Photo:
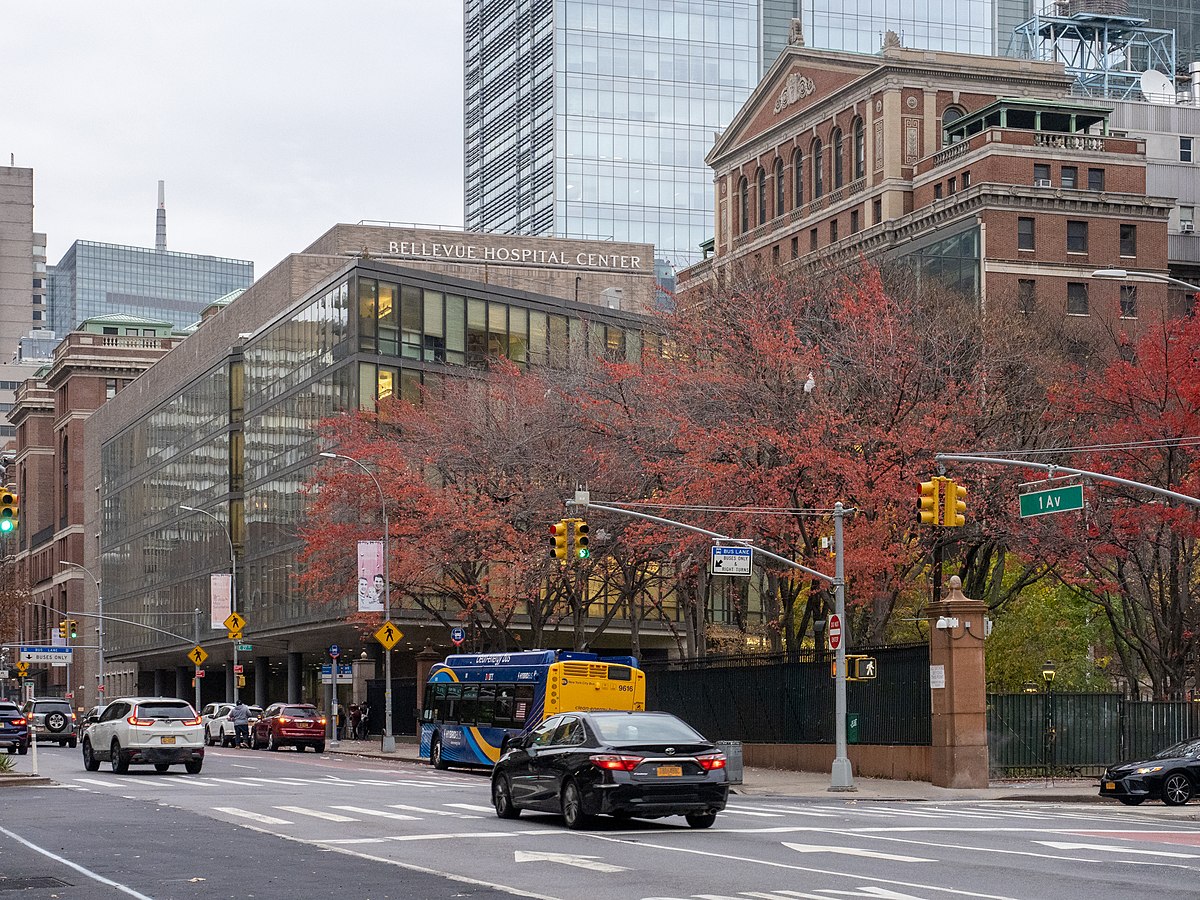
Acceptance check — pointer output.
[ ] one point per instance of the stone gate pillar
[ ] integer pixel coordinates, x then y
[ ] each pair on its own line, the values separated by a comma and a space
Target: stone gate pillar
426, 660
958, 686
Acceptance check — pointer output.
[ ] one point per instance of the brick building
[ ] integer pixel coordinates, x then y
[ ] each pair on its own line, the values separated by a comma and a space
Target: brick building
927, 157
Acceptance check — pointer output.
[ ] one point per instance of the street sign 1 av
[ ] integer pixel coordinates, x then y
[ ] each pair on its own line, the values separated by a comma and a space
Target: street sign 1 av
834, 631
198, 655
245, 648
234, 622
389, 635
730, 561
1059, 499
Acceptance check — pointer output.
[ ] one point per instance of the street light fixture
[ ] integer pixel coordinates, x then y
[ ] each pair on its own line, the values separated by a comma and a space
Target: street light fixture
232, 586
388, 743
1121, 274
100, 691
1048, 670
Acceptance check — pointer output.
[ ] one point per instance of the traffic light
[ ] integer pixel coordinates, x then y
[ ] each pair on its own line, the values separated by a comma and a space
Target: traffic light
927, 505
62, 628
861, 668
74, 629
581, 539
558, 537
10, 511
954, 511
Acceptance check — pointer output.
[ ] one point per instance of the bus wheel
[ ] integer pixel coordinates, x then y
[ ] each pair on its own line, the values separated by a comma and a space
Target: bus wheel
435, 754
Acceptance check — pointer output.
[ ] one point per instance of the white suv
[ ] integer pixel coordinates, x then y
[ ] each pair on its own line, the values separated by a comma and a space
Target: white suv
145, 730
220, 730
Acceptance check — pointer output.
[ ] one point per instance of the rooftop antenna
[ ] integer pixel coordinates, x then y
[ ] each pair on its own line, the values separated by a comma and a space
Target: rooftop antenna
160, 236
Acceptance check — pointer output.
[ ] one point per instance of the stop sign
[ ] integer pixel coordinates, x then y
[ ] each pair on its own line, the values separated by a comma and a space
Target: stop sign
835, 631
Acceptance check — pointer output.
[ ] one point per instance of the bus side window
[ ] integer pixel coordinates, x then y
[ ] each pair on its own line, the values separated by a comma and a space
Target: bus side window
486, 711
504, 705
450, 705
468, 712
524, 702
429, 713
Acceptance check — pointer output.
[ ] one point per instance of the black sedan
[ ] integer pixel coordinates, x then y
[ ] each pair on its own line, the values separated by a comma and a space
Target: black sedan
1170, 775
623, 764
14, 729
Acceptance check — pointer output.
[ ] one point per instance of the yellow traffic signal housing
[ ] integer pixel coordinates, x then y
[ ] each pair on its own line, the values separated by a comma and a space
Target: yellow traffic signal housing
581, 538
861, 668
954, 511
62, 628
10, 511
558, 538
927, 505
74, 626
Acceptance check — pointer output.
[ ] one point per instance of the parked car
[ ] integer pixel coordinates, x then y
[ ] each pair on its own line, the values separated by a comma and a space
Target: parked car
624, 764
14, 728
220, 730
91, 717
158, 731
210, 712
1170, 775
51, 719
298, 725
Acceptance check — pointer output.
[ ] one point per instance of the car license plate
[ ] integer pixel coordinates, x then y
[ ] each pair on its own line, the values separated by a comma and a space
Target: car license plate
670, 771
1110, 785
303, 724
167, 739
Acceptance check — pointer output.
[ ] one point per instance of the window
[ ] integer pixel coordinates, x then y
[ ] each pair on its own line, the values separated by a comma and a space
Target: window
1129, 301
966, 180
1041, 173
937, 191
110, 388
818, 155
1129, 240
797, 179
761, 181
1095, 179
1070, 176
780, 192
812, 239
1026, 296
877, 210
833, 230
1077, 237
860, 149
1187, 215
743, 206
1077, 298
795, 248
1185, 149
839, 171
854, 226
775, 255
1026, 234
953, 185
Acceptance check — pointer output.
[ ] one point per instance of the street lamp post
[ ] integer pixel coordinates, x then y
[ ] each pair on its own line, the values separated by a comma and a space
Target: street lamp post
388, 743
100, 691
232, 586
1048, 672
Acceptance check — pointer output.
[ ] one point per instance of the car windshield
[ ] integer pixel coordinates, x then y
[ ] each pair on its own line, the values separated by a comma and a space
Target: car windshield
626, 729
164, 711
299, 712
50, 705
1176, 751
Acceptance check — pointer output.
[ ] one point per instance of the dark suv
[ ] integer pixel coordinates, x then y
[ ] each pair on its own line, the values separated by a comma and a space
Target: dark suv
51, 719
14, 730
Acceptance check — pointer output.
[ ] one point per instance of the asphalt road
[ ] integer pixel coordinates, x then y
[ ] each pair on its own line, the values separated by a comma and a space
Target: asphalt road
267, 825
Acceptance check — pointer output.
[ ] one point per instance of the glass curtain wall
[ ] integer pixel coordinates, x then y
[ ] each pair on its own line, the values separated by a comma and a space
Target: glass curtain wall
859, 26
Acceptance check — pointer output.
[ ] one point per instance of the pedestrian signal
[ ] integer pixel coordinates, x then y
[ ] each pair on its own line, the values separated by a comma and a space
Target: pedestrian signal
861, 668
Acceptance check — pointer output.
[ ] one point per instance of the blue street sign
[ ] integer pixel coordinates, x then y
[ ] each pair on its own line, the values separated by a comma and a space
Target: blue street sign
457, 635
334, 651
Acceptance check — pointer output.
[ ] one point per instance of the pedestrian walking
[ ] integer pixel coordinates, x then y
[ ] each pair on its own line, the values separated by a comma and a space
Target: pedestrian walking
341, 722
240, 717
355, 721
364, 716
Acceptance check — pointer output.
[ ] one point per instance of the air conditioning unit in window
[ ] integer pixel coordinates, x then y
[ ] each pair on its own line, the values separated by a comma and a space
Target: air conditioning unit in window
1187, 227
1043, 182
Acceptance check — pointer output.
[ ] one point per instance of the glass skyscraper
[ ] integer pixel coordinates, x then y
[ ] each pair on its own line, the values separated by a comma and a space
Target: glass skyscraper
591, 118
859, 26
94, 279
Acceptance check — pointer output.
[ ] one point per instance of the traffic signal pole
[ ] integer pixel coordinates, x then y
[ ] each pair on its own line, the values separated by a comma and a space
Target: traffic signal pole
842, 773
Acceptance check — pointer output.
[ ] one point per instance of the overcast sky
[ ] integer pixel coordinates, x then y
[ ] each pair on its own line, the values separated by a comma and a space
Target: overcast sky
269, 120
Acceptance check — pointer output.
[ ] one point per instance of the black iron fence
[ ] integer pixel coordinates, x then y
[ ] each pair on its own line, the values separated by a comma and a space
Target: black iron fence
764, 699
1080, 734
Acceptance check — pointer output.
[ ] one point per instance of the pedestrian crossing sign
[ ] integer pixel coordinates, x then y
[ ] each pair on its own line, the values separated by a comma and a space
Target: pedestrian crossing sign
389, 635
197, 655
234, 622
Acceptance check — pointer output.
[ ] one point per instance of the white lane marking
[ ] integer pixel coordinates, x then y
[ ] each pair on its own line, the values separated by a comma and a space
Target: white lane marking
345, 842
442, 837
742, 811
471, 806
124, 889
252, 816
1063, 845
853, 851
802, 811
378, 812
108, 784
567, 859
432, 812
240, 766
234, 781
316, 814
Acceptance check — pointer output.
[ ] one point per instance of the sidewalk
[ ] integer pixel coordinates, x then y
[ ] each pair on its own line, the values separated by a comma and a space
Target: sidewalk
815, 785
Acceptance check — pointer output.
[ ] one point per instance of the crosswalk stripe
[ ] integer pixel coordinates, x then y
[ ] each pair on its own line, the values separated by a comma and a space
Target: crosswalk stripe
737, 810
98, 781
253, 816
803, 811
317, 814
378, 812
233, 781
432, 812
471, 806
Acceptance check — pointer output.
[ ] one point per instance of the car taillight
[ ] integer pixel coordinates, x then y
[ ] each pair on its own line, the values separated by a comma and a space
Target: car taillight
321, 720
615, 762
19, 722
195, 721
134, 720
711, 761
284, 720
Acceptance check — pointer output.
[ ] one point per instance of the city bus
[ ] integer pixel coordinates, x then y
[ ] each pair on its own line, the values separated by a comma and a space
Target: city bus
474, 703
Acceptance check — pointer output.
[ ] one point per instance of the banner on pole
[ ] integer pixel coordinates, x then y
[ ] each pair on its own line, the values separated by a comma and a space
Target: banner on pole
370, 576
222, 604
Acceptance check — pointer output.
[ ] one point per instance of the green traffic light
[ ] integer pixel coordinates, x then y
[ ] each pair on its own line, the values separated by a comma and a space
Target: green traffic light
6, 525
585, 553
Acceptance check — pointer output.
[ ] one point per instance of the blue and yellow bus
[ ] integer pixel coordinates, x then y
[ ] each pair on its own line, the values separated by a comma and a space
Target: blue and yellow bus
475, 702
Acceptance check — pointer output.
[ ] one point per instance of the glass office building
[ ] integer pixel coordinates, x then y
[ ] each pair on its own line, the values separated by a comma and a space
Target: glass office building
859, 26
94, 279
590, 119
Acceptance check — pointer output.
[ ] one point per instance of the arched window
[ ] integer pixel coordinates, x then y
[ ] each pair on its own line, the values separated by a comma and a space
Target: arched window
780, 188
860, 149
743, 205
839, 170
951, 115
761, 182
797, 179
818, 164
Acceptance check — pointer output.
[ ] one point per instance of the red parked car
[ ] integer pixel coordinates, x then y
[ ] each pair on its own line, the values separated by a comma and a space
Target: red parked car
296, 725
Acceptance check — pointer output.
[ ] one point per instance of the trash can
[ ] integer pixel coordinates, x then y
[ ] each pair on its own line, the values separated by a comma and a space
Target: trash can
852, 728
733, 759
